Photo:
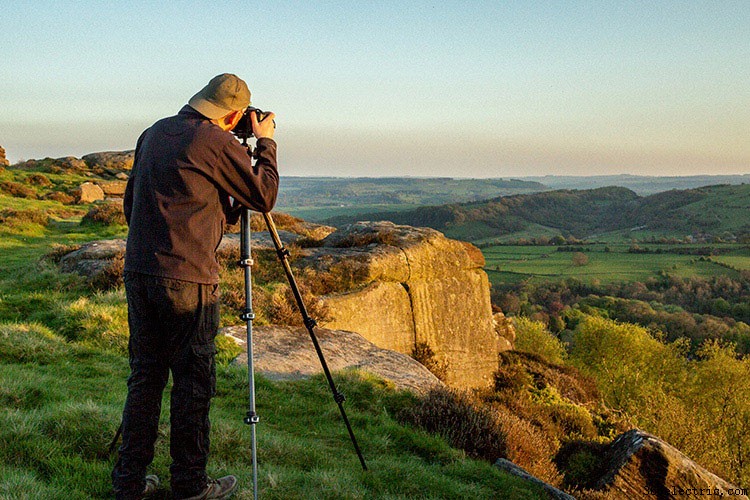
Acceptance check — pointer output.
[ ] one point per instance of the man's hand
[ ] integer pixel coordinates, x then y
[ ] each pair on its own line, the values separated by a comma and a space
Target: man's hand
264, 128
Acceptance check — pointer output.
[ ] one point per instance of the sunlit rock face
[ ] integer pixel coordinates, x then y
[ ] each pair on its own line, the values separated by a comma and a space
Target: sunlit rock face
412, 286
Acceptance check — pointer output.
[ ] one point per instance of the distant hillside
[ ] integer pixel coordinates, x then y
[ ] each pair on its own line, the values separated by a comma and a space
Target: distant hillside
713, 210
644, 185
318, 198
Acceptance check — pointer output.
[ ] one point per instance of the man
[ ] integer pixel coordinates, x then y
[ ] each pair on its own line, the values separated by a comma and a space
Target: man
176, 204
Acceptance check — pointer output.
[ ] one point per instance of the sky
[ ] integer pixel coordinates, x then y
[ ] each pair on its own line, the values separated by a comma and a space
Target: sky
397, 88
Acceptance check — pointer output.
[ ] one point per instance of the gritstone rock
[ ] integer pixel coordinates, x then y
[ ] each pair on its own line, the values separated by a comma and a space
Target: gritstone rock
641, 466
3, 161
283, 352
93, 258
413, 285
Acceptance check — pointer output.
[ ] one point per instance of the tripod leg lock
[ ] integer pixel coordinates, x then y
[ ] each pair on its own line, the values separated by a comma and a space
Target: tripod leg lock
245, 262
283, 253
310, 323
339, 398
251, 418
247, 316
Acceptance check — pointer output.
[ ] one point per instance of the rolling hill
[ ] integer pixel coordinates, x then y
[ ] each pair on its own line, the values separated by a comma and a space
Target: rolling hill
716, 211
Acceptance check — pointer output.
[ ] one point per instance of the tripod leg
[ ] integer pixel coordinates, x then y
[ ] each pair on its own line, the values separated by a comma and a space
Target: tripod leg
248, 315
310, 324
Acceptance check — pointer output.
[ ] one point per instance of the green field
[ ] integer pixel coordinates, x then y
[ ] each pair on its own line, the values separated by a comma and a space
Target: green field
512, 263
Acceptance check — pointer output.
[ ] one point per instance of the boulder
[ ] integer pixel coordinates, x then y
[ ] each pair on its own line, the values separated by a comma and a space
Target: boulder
641, 466
3, 160
413, 285
93, 258
88, 192
283, 352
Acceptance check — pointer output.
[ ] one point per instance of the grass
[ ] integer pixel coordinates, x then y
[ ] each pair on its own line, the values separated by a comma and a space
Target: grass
61, 405
512, 263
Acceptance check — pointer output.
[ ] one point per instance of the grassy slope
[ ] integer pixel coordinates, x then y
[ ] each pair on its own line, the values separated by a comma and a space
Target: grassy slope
61, 405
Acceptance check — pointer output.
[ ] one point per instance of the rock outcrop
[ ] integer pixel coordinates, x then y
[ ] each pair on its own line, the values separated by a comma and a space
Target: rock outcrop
111, 162
413, 286
401, 288
641, 466
93, 258
282, 352
3, 160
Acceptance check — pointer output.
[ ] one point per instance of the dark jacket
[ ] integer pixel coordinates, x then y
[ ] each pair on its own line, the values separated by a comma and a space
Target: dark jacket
177, 198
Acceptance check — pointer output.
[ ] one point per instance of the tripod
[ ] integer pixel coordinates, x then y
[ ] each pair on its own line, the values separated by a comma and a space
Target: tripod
248, 315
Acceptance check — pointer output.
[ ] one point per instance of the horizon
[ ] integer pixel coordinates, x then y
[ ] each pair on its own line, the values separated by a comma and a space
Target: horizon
425, 90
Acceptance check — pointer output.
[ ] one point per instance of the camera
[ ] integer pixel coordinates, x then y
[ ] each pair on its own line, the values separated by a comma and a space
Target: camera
244, 128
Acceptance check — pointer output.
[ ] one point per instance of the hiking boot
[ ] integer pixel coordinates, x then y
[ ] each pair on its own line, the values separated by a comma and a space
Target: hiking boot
152, 484
217, 488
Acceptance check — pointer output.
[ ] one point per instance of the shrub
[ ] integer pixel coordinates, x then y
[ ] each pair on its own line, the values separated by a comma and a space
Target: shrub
61, 197
59, 251
339, 277
281, 308
17, 190
109, 213
111, 276
423, 353
528, 446
37, 179
570, 418
533, 337
512, 377
567, 380
463, 423
12, 217
582, 462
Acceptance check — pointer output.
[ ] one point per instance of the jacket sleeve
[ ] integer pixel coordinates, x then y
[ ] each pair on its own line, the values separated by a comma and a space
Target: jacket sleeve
127, 201
253, 186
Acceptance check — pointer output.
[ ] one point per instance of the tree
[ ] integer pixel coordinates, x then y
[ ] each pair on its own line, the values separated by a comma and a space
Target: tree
580, 259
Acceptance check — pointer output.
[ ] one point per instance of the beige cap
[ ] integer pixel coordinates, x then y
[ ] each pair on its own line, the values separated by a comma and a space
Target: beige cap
223, 94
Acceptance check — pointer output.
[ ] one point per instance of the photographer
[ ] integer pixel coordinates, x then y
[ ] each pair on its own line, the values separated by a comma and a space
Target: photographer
177, 202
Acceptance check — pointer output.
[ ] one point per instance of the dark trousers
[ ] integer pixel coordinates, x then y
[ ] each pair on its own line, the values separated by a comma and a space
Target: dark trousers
173, 324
